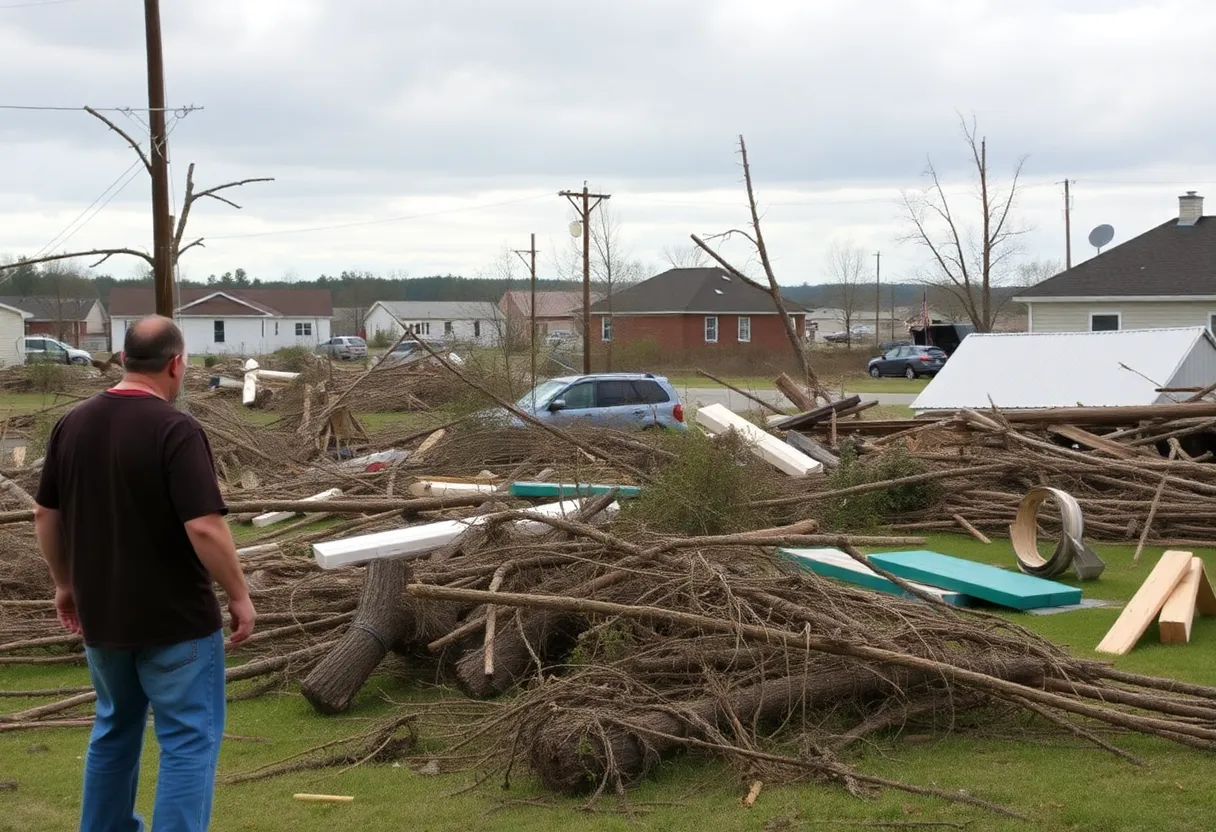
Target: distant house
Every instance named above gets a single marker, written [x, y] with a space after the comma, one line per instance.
[81, 322]
[231, 320]
[555, 311]
[12, 335]
[472, 322]
[1166, 277]
[696, 309]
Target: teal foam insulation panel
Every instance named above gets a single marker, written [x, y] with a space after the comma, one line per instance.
[979, 580]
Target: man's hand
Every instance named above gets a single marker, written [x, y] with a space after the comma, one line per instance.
[65, 606]
[243, 616]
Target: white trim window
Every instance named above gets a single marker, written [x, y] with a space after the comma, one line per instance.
[303, 329]
[711, 329]
[606, 328]
[1105, 321]
[1212, 323]
[745, 329]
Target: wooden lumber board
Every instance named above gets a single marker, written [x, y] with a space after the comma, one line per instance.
[249, 389]
[788, 460]
[1178, 611]
[1205, 602]
[571, 489]
[801, 399]
[272, 517]
[420, 540]
[979, 580]
[1146, 603]
[1092, 440]
[819, 414]
[812, 448]
[432, 488]
[431, 441]
[833, 563]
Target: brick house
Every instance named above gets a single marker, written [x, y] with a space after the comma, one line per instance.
[555, 311]
[690, 312]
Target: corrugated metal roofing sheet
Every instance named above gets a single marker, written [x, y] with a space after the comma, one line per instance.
[1065, 369]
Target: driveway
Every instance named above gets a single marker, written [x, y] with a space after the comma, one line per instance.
[703, 396]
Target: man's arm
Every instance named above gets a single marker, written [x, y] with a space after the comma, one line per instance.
[50, 544]
[213, 543]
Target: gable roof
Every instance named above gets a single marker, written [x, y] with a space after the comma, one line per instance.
[1169, 261]
[1068, 369]
[708, 289]
[134, 301]
[52, 309]
[439, 310]
[548, 304]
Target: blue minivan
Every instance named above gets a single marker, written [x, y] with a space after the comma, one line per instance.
[619, 400]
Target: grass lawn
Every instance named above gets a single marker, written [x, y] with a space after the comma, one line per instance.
[22, 404]
[1061, 783]
[865, 384]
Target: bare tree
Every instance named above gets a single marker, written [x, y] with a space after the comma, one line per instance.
[967, 261]
[63, 287]
[846, 266]
[685, 257]
[757, 239]
[1034, 272]
[191, 197]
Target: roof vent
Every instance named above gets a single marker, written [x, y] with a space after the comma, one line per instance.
[717, 291]
[726, 277]
[1190, 208]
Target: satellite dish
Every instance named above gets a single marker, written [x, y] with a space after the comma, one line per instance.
[1100, 236]
[576, 229]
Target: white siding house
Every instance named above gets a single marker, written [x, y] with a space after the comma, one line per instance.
[232, 321]
[12, 335]
[468, 322]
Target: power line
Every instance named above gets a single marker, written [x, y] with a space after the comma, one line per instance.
[380, 222]
[178, 111]
[36, 5]
[56, 239]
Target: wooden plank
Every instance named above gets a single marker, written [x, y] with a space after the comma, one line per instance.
[421, 540]
[432, 488]
[813, 449]
[250, 388]
[431, 441]
[833, 563]
[979, 580]
[1178, 612]
[801, 399]
[1146, 603]
[970, 529]
[272, 517]
[570, 489]
[1090, 440]
[819, 414]
[1205, 602]
[791, 461]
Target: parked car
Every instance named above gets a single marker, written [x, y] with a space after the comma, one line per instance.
[858, 332]
[45, 348]
[409, 351]
[909, 362]
[558, 337]
[886, 346]
[344, 347]
[620, 400]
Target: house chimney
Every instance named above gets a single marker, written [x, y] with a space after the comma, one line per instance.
[1190, 208]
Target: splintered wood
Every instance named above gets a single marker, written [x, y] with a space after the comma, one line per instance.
[1146, 603]
[1192, 596]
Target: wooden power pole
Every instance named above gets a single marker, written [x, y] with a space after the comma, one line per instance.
[1067, 227]
[530, 262]
[162, 222]
[877, 293]
[585, 210]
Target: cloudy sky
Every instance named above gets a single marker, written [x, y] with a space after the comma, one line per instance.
[425, 136]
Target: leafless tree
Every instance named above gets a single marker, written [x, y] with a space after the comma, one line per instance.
[511, 328]
[967, 261]
[191, 197]
[846, 266]
[756, 237]
[1034, 272]
[64, 285]
[685, 257]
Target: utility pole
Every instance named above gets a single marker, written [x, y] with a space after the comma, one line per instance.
[877, 293]
[1067, 227]
[530, 262]
[162, 223]
[892, 313]
[585, 217]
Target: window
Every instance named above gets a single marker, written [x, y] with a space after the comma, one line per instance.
[276, 327]
[606, 328]
[649, 392]
[893, 354]
[447, 328]
[711, 329]
[420, 327]
[303, 329]
[579, 396]
[476, 329]
[217, 329]
[614, 394]
[745, 330]
[1105, 321]
[1212, 323]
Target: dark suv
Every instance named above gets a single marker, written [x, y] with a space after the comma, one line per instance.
[909, 362]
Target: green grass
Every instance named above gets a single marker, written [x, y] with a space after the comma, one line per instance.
[865, 384]
[22, 404]
[1062, 784]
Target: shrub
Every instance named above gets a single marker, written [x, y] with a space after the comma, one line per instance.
[210, 361]
[380, 340]
[871, 508]
[49, 378]
[293, 359]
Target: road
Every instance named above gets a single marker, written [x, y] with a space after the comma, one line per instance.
[702, 396]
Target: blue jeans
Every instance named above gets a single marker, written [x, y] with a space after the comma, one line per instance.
[184, 684]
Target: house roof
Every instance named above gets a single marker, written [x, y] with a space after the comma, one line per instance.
[52, 309]
[1169, 261]
[1068, 369]
[693, 291]
[211, 301]
[440, 310]
[548, 304]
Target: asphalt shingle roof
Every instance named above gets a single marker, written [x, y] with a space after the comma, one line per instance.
[52, 309]
[693, 291]
[1169, 261]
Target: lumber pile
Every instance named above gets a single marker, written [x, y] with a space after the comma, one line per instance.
[1175, 591]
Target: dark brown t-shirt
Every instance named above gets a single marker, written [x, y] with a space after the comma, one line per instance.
[126, 470]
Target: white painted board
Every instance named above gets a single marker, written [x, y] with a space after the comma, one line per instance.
[250, 393]
[423, 539]
[717, 419]
[272, 517]
[428, 488]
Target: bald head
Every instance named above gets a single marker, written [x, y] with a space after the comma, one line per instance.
[150, 344]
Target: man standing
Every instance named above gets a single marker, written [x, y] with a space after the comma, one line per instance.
[130, 519]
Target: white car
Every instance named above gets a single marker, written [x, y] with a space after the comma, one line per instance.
[45, 348]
